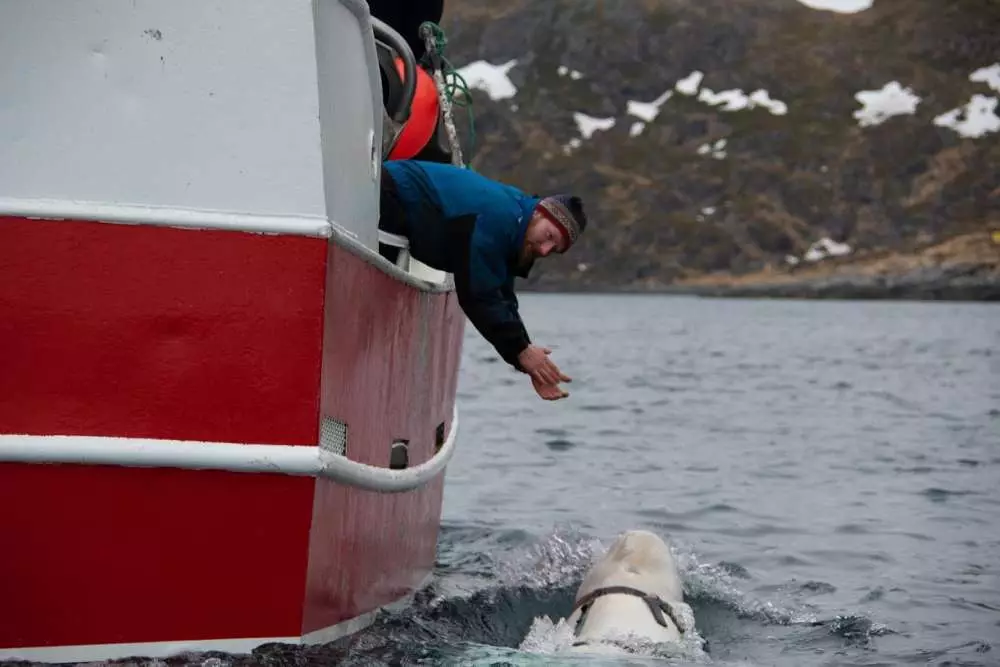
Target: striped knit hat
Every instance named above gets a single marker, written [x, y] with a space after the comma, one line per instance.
[567, 212]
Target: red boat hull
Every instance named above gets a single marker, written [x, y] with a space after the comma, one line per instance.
[138, 331]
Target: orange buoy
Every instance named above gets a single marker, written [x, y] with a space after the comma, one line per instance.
[423, 116]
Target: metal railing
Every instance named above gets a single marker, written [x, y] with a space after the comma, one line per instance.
[232, 457]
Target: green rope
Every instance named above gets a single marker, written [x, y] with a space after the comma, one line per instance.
[454, 83]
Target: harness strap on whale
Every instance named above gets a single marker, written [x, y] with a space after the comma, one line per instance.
[657, 606]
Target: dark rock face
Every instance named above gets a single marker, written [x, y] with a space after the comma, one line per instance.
[702, 189]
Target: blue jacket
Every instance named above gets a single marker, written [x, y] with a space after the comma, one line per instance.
[468, 225]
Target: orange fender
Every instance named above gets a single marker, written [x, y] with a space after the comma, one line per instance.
[423, 116]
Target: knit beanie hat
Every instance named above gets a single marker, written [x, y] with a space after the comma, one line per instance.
[567, 212]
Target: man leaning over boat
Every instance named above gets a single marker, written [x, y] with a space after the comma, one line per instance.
[485, 233]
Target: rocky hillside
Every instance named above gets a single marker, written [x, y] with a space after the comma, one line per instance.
[732, 138]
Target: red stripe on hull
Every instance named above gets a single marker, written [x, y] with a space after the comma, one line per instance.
[390, 372]
[125, 555]
[154, 332]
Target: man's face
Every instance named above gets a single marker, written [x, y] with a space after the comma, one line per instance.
[542, 238]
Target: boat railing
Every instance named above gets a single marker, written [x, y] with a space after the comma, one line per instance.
[385, 35]
[301, 460]
[318, 226]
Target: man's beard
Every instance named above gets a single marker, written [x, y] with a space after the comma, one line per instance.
[525, 260]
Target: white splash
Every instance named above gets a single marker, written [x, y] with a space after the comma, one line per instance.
[976, 119]
[573, 74]
[557, 560]
[689, 84]
[636, 129]
[492, 79]
[736, 100]
[824, 248]
[716, 150]
[988, 75]
[839, 6]
[546, 637]
[880, 105]
[588, 124]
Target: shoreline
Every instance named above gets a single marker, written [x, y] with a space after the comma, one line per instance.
[984, 292]
[963, 268]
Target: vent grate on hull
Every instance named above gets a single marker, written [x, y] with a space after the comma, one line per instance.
[333, 436]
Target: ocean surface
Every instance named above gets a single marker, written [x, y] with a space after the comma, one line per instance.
[827, 473]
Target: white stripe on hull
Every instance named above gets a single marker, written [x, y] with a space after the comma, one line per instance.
[233, 457]
[54, 209]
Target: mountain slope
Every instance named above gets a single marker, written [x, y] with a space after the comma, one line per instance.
[759, 147]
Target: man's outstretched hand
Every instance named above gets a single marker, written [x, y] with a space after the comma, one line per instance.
[550, 392]
[545, 375]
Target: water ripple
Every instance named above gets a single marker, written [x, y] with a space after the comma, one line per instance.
[826, 471]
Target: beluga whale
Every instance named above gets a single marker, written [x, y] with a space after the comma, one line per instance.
[631, 597]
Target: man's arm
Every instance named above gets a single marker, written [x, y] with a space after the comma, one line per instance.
[486, 293]
[489, 315]
[494, 314]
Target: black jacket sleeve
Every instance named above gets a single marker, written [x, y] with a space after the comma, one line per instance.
[485, 290]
